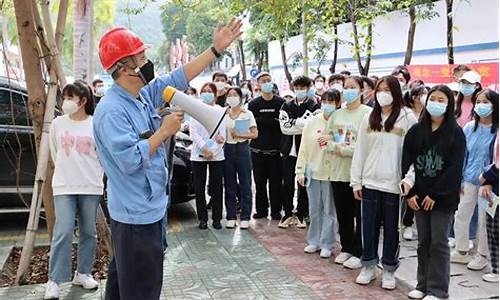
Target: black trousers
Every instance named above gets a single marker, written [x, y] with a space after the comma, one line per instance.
[408, 215]
[216, 169]
[267, 169]
[348, 209]
[289, 184]
[136, 269]
[433, 271]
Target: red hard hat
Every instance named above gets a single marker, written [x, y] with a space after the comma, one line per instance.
[118, 43]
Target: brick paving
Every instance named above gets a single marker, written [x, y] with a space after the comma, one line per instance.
[264, 262]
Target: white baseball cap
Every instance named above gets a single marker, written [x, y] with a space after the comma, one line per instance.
[471, 77]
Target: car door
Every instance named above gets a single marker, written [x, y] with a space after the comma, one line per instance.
[17, 147]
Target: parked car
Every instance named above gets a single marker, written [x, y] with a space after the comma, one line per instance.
[18, 155]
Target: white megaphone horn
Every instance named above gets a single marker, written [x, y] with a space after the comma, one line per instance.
[211, 117]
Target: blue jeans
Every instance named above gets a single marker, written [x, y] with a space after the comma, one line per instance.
[66, 208]
[238, 168]
[376, 207]
[322, 215]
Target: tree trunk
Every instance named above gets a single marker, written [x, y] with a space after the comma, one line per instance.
[242, 60]
[91, 43]
[44, 47]
[5, 33]
[366, 68]
[266, 59]
[284, 60]
[305, 50]
[335, 49]
[61, 23]
[50, 41]
[57, 75]
[449, 31]
[411, 35]
[103, 231]
[31, 64]
[357, 50]
[259, 55]
[26, 11]
[81, 39]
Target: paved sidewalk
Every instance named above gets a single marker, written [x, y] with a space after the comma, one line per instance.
[264, 262]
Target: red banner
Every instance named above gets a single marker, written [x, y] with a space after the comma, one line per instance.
[442, 74]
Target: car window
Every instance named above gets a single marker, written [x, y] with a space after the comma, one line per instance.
[13, 108]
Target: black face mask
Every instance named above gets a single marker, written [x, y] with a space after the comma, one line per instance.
[147, 72]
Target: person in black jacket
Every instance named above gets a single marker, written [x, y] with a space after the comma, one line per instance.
[220, 80]
[489, 180]
[433, 158]
[266, 159]
[293, 116]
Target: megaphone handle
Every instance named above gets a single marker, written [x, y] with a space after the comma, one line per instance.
[218, 124]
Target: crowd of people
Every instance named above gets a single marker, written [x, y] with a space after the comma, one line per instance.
[346, 149]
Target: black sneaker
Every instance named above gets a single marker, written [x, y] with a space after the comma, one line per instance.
[276, 216]
[216, 225]
[203, 225]
[259, 215]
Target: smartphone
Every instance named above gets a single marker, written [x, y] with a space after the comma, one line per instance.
[401, 189]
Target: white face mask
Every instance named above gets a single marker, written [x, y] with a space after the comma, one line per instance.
[384, 98]
[99, 91]
[245, 92]
[319, 85]
[220, 86]
[233, 101]
[338, 87]
[69, 107]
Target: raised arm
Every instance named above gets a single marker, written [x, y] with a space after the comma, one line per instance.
[222, 38]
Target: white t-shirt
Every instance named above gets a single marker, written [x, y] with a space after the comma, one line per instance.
[230, 124]
[72, 148]
[200, 137]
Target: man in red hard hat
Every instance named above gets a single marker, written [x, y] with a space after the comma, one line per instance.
[129, 140]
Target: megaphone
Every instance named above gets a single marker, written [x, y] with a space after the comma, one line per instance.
[211, 117]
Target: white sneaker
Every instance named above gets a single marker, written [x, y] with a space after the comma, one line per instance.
[459, 258]
[286, 221]
[478, 263]
[416, 294]
[353, 263]
[244, 224]
[342, 258]
[230, 223]
[388, 280]
[325, 253]
[311, 249]
[490, 277]
[300, 222]
[431, 297]
[366, 275]
[51, 291]
[451, 242]
[408, 233]
[85, 280]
